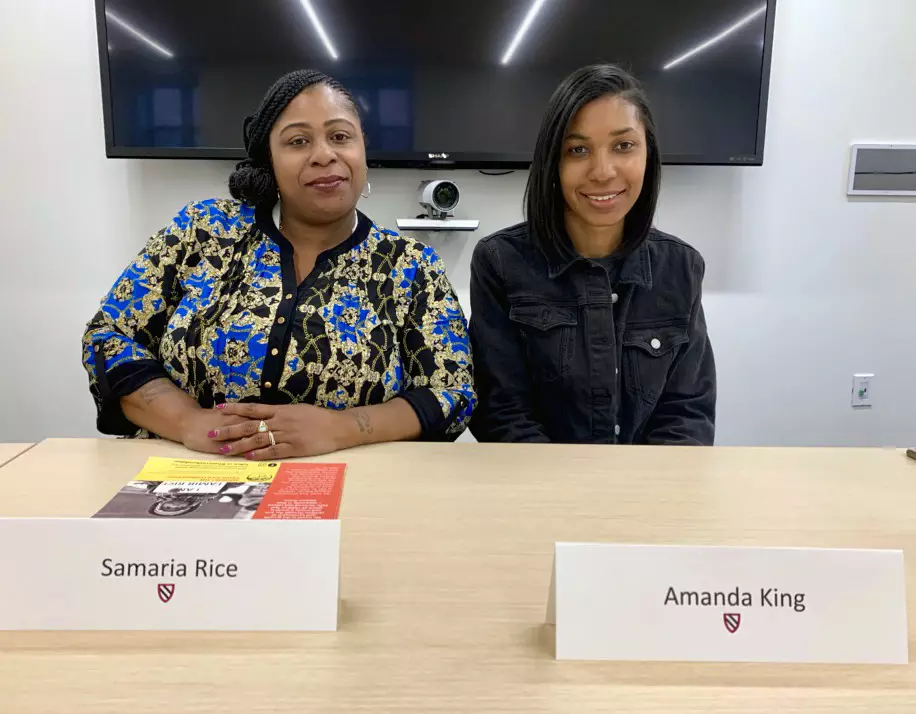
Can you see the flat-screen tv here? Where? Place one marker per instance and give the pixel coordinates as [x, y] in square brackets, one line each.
[460, 84]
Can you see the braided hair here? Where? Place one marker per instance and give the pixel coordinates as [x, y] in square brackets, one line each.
[253, 180]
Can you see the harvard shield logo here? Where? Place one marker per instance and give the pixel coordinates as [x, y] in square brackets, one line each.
[732, 621]
[166, 591]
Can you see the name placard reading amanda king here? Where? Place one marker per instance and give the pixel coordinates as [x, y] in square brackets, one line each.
[639, 603]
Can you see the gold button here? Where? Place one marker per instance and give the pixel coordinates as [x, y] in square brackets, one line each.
[289, 296]
[267, 385]
[275, 351]
[281, 320]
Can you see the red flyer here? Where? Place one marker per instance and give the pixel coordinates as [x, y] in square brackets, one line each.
[303, 491]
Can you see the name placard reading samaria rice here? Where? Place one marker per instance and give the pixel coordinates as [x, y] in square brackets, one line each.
[137, 574]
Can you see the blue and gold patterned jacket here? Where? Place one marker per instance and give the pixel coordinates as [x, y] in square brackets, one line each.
[212, 303]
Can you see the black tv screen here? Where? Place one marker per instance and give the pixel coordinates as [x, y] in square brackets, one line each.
[438, 83]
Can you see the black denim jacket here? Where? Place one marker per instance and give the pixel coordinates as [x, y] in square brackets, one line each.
[567, 352]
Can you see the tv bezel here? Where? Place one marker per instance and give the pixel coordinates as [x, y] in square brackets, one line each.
[387, 159]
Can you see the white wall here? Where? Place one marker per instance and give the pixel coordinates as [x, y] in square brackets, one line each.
[804, 286]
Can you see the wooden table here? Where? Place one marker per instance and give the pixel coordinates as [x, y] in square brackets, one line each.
[446, 561]
[8, 452]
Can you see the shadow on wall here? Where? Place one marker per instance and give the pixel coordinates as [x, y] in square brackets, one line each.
[700, 204]
[158, 188]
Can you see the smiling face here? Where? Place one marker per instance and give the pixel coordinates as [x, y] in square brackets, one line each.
[318, 155]
[603, 164]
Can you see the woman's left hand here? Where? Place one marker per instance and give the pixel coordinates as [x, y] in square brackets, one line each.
[298, 430]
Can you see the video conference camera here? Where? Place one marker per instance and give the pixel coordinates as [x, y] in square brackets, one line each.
[439, 198]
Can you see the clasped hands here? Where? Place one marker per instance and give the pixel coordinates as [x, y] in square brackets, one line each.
[297, 429]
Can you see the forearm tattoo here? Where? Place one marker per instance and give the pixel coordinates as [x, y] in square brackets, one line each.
[151, 391]
[362, 421]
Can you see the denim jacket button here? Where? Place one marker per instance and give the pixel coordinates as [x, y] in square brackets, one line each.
[656, 343]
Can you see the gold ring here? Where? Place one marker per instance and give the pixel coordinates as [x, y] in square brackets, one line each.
[270, 435]
[262, 427]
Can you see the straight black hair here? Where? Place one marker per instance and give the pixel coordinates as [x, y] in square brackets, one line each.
[253, 180]
[544, 203]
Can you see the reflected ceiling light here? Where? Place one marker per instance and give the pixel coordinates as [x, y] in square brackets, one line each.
[718, 38]
[522, 29]
[316, 23]
[124, 25]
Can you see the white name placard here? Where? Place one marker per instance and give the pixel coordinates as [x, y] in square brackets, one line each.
[728, 604]
[134, 574]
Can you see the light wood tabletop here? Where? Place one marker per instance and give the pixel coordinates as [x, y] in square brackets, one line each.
[8, 452]
[446, 558]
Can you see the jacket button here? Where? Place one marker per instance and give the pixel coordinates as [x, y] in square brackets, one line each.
[617, 430]
[656, 343]
[614, 297]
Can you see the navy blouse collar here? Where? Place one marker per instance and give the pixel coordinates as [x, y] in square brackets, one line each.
[265, 223]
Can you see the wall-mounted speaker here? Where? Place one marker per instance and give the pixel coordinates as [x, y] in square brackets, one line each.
[882, 170]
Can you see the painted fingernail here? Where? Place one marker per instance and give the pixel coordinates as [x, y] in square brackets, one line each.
[213, 434]
[225, 449]
[220, 406]
[249, 455]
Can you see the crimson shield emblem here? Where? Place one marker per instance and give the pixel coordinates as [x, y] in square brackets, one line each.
[732, 621]
[166, 591]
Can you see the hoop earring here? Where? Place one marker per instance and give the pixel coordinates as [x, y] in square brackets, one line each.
[367, 190]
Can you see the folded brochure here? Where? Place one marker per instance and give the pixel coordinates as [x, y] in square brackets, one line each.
[184, 488]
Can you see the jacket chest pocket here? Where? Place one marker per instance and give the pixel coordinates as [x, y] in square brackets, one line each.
[549, 334]
[648, 354]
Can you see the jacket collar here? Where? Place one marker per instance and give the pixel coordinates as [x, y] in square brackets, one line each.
[636, 267]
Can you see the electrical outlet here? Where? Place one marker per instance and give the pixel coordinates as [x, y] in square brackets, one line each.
[861, 390]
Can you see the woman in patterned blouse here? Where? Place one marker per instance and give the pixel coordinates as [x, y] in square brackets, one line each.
[283, 323]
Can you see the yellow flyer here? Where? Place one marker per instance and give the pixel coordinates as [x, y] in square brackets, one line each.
[187, 488]
[158, 468]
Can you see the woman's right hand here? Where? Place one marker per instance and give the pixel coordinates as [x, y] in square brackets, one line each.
[199, 423]
[162, 408]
